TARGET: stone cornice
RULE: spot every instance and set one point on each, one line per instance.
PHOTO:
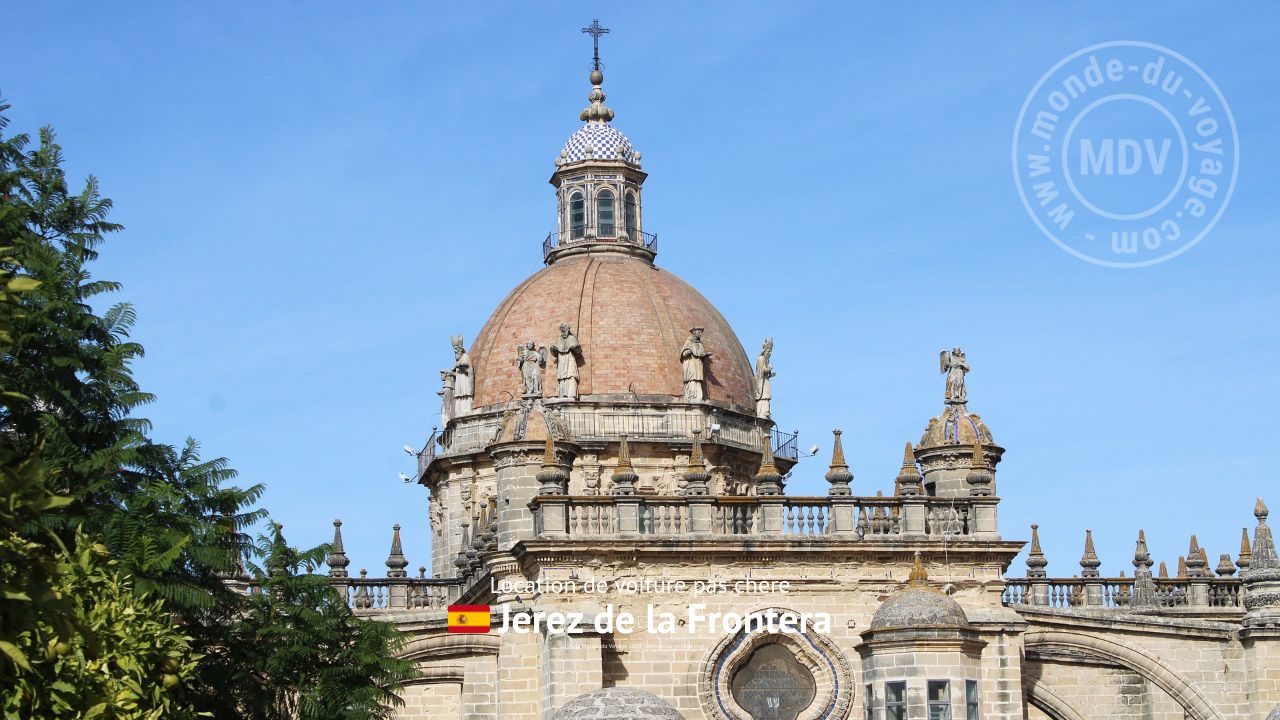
(1112, 621)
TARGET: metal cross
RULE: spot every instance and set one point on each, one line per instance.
(595, 31)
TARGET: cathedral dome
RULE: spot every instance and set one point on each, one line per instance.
(618, 703)
(631, 319)
(598, 141)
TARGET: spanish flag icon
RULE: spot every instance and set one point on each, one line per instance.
(468, 618)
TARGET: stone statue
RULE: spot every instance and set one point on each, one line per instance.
(531, 360)
(952, 363)
(447, 379)
(463, 382)
(764, 380)
(437, 515)
(566, 350)
(693, 359)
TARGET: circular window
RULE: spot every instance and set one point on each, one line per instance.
(773, 685)
(782, 676)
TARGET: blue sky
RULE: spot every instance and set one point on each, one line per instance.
(317, 195)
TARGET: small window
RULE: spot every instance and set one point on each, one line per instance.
(971, 699)
(868, 704)
(577, 216)
(939, 700)
(895, 701)
(632, 216)
(605, 214)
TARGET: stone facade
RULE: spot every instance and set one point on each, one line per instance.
(634, 497)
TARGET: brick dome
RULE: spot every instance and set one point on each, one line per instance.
(631, 319)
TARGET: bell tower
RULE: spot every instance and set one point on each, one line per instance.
(598, 183)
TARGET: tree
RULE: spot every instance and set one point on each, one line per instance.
(162, 525)
(304, 653)
(75, 641)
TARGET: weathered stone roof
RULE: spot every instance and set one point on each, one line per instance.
(955, 426)
(919, 607)
(618, 703)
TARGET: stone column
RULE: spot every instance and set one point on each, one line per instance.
(572, 665)
(697, 488)
(1089, 564)
(769, 486)
(1037, 578)
(1197, 575)
(551, 507)
(338, 562)
(1261, 633)
(397, 582)
(624, 490)
(842, 502)
(517, 464)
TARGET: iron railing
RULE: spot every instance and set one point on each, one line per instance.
(616, 234)
(606, 425)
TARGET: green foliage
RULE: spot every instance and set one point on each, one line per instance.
(87, 645)
(83, 482)
(306, 656)
(75, 641)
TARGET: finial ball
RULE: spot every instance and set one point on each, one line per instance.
(597, 77)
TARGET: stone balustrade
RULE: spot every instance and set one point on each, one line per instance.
(863, 518)
(1117, 593)
(374, 595)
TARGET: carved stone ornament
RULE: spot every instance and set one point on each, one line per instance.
(810, 653)
(566, 351)
(463, 382)
(531, 360)
(764, 380)
(693, 366)
(954, 366)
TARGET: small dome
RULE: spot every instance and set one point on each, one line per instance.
(919, 608)
(618, 703)
(955, 426)
(1274, 714)
(526, 423)
(598, 141)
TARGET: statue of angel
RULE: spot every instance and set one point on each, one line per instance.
(531, 360)
(954, 365)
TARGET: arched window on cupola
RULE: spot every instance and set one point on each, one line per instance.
(632, 217)
(605, 215)
(577, 216)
